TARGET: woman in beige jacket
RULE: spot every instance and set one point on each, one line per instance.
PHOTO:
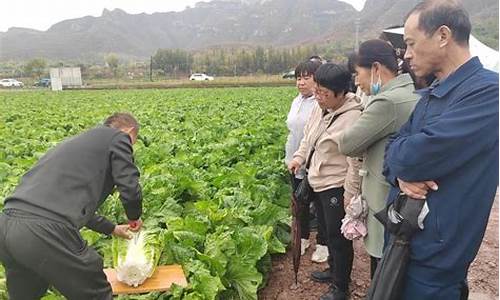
(336, 110)
(391, 102)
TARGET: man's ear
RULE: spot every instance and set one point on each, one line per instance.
(444, 35)
(131, 132)
(128, 129)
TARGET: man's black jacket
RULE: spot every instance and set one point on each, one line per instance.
(73, 179)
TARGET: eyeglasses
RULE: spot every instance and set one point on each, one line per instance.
(321, 91)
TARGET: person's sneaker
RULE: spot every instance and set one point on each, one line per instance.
(324, 276)
(334, 294)
(320, 254)
(304, 244)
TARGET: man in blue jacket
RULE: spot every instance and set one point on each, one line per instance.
(447, 152)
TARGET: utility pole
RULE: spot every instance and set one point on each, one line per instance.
(151, 69)
(356, 43)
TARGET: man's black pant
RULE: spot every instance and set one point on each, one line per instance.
(305, 217)
(341, 251)
(37, 253)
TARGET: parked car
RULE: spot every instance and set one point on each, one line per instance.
(43, 82)
(289, 75)
(9, 82)
(200, 77)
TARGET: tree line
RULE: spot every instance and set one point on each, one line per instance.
(231, 62)
(179, 63)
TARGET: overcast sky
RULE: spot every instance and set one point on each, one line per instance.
(41, 15)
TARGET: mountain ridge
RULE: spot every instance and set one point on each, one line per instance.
(270, 23)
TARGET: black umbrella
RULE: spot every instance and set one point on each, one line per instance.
(296, 234)
(401, 220)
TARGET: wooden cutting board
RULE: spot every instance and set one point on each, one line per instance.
(161, 280)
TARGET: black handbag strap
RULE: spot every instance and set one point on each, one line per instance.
(308, 161)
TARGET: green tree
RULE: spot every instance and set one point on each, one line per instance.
(173, 61)
(113, 62)
(259, 57)
(35, 67)
(239, 61)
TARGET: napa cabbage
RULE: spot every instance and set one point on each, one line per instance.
(135, 260)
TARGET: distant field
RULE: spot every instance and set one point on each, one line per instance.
(141, 83)
(248, 81)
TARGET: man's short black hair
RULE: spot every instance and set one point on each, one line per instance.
(334, 77)
(306, 68)
(436, 13)
(121, 120)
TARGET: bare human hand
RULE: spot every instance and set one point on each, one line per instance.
(122, 231)
(293, 166)
(417, 190)
(135, 225)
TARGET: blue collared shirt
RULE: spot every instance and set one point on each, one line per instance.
(451, 138)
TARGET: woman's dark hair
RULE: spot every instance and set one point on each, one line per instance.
(334, 77)
(373, 51)
(351, 59)
(351, 68)
(306, 68)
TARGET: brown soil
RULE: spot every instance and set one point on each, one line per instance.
(483, 274)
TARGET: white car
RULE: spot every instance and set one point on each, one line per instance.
(200, 77)
(10, 83)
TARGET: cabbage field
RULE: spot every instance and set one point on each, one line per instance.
(212, 172)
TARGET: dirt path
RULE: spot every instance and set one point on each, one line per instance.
(483, 274)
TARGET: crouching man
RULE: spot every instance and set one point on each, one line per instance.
(40, 243)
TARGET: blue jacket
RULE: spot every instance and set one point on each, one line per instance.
(451, 138)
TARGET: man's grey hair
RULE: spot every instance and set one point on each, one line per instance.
(436, 13)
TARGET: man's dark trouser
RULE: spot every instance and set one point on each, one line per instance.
(341, 250)
(418, 288)
(305, 217)
(37, 252)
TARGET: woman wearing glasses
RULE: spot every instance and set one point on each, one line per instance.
(329, 170)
